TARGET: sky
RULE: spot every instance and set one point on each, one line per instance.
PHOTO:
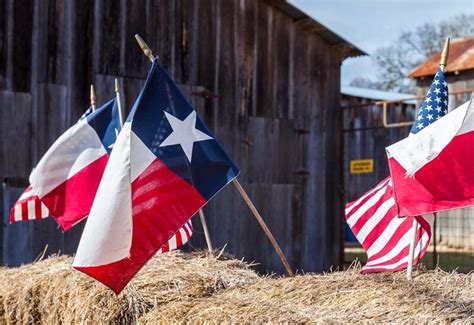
(369, 24)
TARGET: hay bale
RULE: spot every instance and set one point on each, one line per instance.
(50, 291)
(338, 297)
(198, 288)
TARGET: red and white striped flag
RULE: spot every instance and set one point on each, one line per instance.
(385, 237)
(28, 207)
(180, 238)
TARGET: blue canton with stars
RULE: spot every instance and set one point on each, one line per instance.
(435, 104)
(168, 125)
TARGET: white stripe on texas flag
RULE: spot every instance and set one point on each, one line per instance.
(68, 175)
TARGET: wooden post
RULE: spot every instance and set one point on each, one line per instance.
(206, 230)
(146, 50)
(442, 65)
(93, 98)
(264, 227)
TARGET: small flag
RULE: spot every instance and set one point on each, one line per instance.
(374, 218)
(180, 238)
(436, 164)
(68, 175)
(28, 207)
(385, 237)
(164, 167)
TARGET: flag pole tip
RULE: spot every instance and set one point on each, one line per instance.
(116, 85)
(445, 53)
(146, 50)
(93, 97)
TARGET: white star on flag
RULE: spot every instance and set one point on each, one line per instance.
(184, 133)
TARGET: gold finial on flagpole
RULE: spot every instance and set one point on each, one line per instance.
(119, 102)
(444, 55)
(144, 47)
(93, 98)
(116, 86)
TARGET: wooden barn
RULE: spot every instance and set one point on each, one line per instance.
(455, 228)
(264, 76)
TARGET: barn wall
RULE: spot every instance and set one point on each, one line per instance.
(276, 111)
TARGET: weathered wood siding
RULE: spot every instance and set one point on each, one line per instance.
(277, 112)
(366, 138)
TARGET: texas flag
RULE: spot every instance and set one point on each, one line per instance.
(165, 166)
(67, 177)
(433, 170)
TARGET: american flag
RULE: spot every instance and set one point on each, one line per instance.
(28, 207)
(180, 238)
(435, 104)
(373, 218)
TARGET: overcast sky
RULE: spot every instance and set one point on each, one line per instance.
(369, 24)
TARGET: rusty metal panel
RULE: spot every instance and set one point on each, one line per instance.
(461, 57)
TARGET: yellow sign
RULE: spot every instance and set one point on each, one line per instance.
(362, 166)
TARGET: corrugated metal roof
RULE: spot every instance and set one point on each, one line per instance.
(307, 22)
(376, 94)
(461, 57)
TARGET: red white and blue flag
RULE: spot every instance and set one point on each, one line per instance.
(437, 164)
(28, 207)
(165, 166)
(68, 175)
(374, 217)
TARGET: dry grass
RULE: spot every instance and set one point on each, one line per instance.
(181, 287)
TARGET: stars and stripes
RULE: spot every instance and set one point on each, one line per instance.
(28, 207)
(374, 218)
(384, 236)
(435, 104)
(180, 238)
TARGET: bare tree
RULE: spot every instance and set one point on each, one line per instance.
(414, 47)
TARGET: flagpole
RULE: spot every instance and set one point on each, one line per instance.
(148, 53)
(264, 226)
(442, 65)
(119, 102)
(93, 98)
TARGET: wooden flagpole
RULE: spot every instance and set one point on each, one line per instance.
(264, 226)
(146, 50)
(442, 65)
(93, 98)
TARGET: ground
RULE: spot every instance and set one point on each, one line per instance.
(448, 259)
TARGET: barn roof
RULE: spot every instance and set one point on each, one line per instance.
(376, 94)
(461, 57)
(309, 23)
